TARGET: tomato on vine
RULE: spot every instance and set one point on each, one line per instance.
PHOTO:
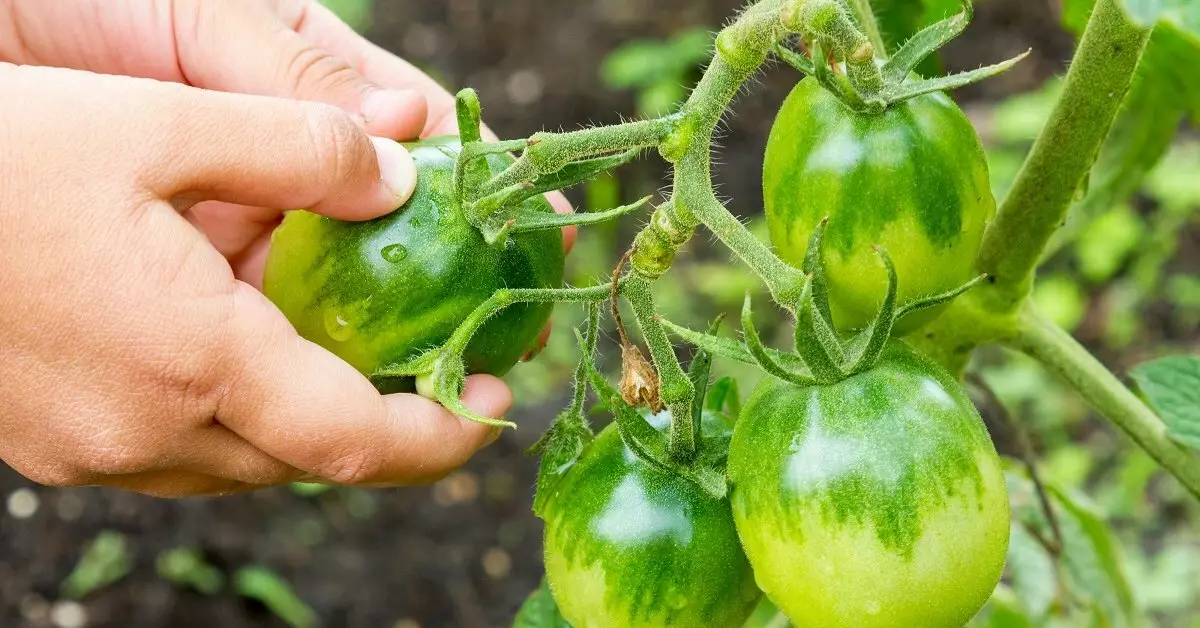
(911, 178)
(628, 544)
(380, 292)
(873, 502)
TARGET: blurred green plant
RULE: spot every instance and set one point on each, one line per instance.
(186, 567)
(105, 560)
(357, 13)
(259, 583)
(658, 71)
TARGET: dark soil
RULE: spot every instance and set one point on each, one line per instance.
(463, 553)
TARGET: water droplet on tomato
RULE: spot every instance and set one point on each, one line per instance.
(676, 600)
(337, 325)
(394, 253)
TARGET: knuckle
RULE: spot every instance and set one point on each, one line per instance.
(313, 71)
(358, 467)
(120, 460)
(338, 147)
(54, 475)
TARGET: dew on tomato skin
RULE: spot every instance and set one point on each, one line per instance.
(676, 600)
(337, 325)
(394, 253)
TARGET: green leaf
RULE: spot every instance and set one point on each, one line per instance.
(1171, 385)
(1091, 557)
(105, 560)
(186, 566)
(259, 583)
(1032, 572)
(646, 62)
(1107, 242)
(540, 610)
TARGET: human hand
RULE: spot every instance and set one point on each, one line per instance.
(286, 48)
(133, 354)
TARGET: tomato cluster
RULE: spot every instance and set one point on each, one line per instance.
(876, 501)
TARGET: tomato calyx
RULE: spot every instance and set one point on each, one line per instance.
(821, 355)
(870, 85)
(494, 202)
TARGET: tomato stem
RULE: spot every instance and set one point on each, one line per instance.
(1064, 151)
(1040, 338)
(676, 388)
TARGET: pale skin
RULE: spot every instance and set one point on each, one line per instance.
(147, 147)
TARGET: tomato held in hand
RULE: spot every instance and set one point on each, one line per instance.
(379, 292)
(875, 502)
(629, 545)
(912, 179)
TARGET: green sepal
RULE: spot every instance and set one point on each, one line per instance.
(798, 61)
(530, 220)
(836, 83)
(924, 43)
(813, 335)
(698, 373)
(761, 356)
(445, 371)
(469, 115)
(577, 172)
(814, 267)
(723, 397)
(470, 171)
(937, 299)
(569, 434)
(880, 330)
(449, 379)
(732, 349)
(909, 89)
(650, 445)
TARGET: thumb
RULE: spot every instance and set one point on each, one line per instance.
(307, 408)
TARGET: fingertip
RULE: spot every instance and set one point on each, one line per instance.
(399, 114)
(397, 170)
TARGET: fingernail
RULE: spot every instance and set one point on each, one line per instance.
(397, 171)
(380, 102)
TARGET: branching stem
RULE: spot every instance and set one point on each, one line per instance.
(1061, 354)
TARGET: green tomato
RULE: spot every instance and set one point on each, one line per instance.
(379, 292)
(912, 179)
(629, 545)
(875, 502)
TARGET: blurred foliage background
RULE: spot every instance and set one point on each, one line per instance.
(465, 551)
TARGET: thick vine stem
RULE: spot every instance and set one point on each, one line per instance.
(1060, 353)
(1037, 204)
(1063, 154)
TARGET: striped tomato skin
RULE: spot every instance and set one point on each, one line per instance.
(381, 291)
(875, 502)
(912, 179)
